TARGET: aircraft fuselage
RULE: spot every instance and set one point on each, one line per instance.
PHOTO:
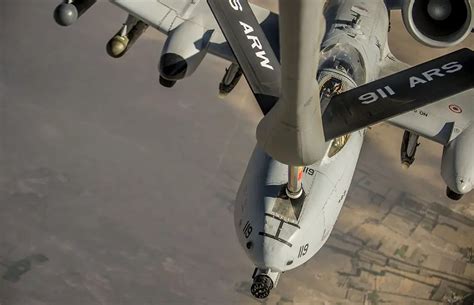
(277, 233)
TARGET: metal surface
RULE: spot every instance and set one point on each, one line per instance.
(294, 188)
(292, 132)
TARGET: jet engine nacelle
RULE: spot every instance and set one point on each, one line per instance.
(183, 51)
(438, 23)
(457, 167)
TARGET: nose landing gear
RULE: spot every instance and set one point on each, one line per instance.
(453, 195)
(261, 287)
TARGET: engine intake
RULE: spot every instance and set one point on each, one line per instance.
(438, 23)
(183, 52)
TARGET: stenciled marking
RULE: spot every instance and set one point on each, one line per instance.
(256, 43)
(303, 250)
(421, 112)
(309, 171)
(247, 229)
(370, 97)
(414, 81)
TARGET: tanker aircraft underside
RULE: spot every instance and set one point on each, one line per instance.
(321, 72)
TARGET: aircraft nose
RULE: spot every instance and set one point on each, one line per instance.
(463, 185)
(275, 255)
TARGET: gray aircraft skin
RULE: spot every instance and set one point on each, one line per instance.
(277, 232)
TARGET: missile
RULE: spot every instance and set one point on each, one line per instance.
(124, 39)
(69, 11)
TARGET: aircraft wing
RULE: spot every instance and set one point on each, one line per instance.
(167, 15)
(442, 121)
(346, 112)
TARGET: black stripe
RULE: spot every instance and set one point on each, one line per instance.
(279, 229)
(275, 238)
(281, 219)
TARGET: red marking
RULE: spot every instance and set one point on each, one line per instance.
(300, 174)
(455, 108)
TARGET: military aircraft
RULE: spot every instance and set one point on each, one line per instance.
(321, 72)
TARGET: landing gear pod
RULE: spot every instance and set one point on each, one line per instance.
(183, 51)
(69, 11)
